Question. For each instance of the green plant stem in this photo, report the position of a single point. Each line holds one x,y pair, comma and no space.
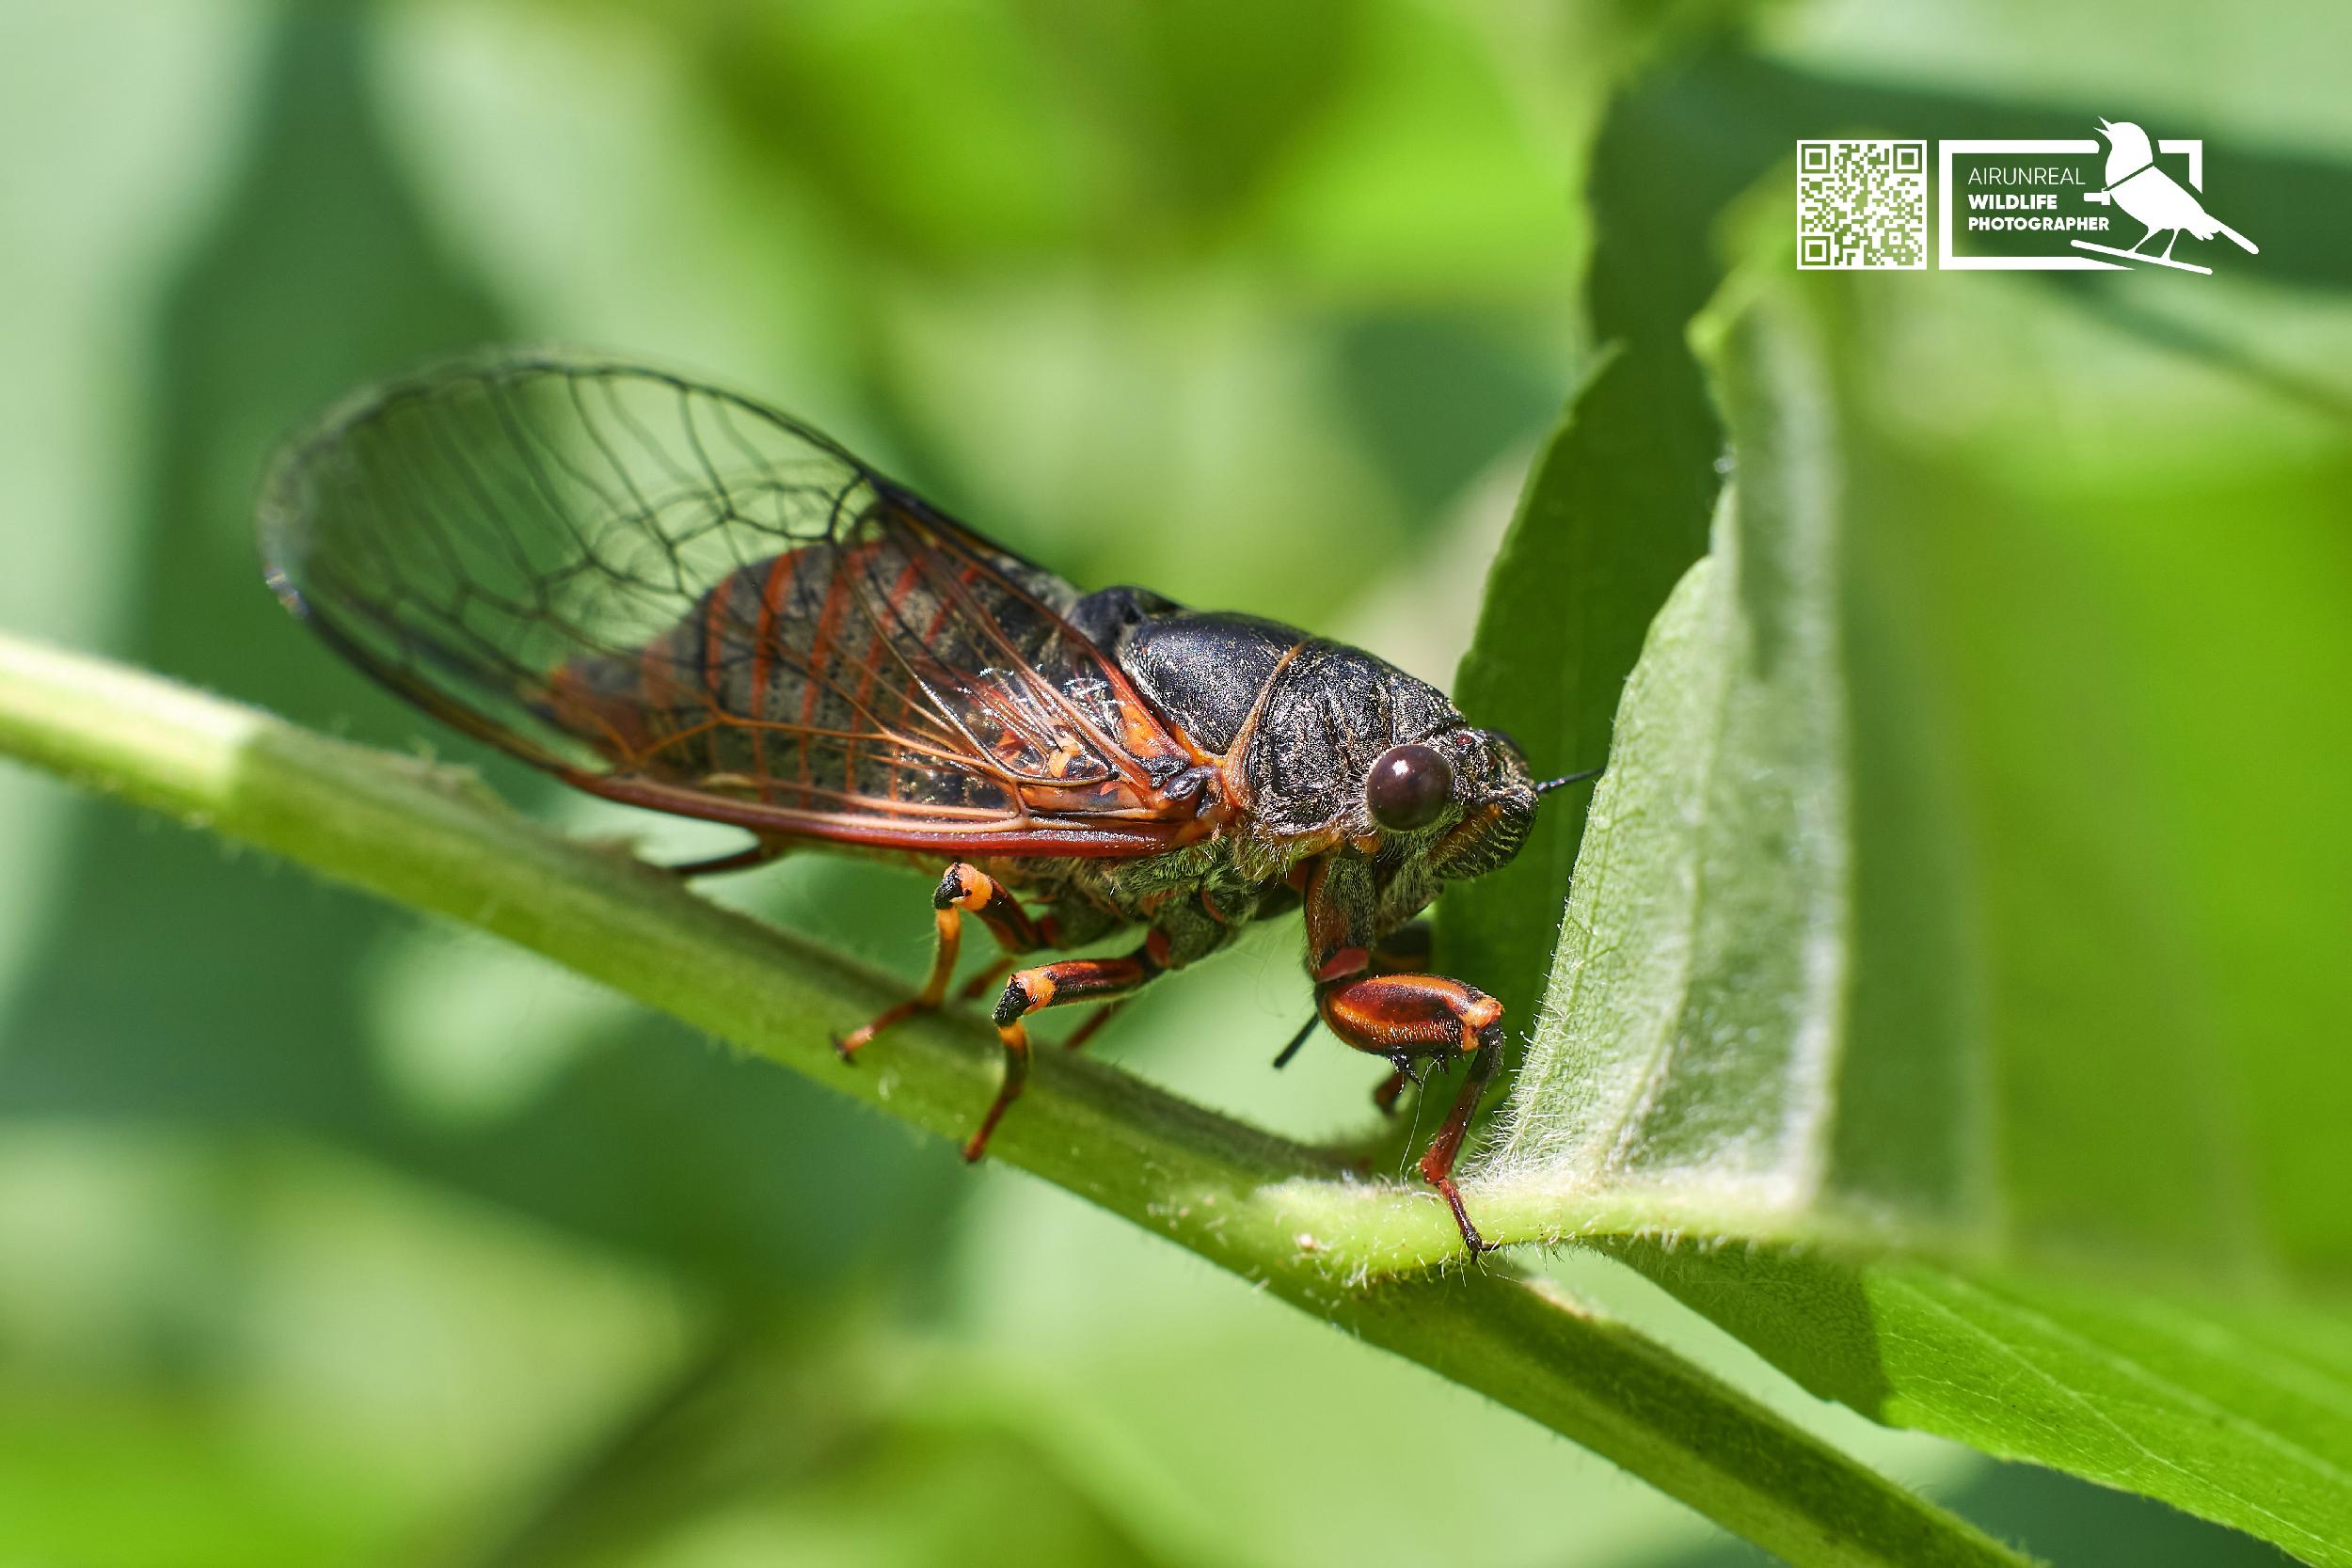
1277,1214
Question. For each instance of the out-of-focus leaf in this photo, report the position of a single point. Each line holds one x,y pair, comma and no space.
1438,400
168,982
153,97
103,1478
1427,176
786,1446
1192,106
2258,80
944,134
281,1356
934,130
1140,436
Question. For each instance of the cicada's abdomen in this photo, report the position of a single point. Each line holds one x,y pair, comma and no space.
776,687
811,676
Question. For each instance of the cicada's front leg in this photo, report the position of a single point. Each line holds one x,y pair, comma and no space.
1403,950
962,890
1408,1017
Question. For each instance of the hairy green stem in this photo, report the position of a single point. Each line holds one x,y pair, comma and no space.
1276,1214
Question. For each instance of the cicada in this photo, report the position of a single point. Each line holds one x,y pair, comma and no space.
676,597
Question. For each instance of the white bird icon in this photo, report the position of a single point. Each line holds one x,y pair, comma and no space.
2135,184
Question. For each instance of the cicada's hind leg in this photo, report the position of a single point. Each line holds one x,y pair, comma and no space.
1079,1036
1407,1018
962,890
997,969
759,852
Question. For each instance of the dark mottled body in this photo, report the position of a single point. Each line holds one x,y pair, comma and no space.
1295,722
1282,725
680,599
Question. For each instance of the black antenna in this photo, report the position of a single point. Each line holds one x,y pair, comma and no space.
1547,785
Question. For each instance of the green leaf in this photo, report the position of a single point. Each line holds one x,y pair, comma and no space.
1878,958
1684,1058
1613,511
2239,1414
1950,931
320,243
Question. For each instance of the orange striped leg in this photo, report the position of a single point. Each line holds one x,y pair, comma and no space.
1406,948
1403,950
961,890
1402,1017
1051,985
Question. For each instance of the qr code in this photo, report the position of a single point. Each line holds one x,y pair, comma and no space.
1862,204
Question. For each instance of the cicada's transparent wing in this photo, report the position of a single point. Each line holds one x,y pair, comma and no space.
673,595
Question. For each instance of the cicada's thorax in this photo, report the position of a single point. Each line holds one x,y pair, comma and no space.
1298,721
1206,676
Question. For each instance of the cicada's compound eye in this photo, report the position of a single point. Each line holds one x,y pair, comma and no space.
1409,787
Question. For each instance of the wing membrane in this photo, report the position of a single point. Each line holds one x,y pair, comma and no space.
678,597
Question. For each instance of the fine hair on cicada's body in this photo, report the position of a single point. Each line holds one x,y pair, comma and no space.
678,598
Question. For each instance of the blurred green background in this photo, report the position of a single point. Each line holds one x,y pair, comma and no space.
327,1237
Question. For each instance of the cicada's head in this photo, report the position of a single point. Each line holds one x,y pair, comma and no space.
1463,799
1349,747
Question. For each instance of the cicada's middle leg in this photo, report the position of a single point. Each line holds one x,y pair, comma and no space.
1184,931
962,890
1055,985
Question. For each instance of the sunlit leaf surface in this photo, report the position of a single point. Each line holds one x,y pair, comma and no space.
1797,1047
